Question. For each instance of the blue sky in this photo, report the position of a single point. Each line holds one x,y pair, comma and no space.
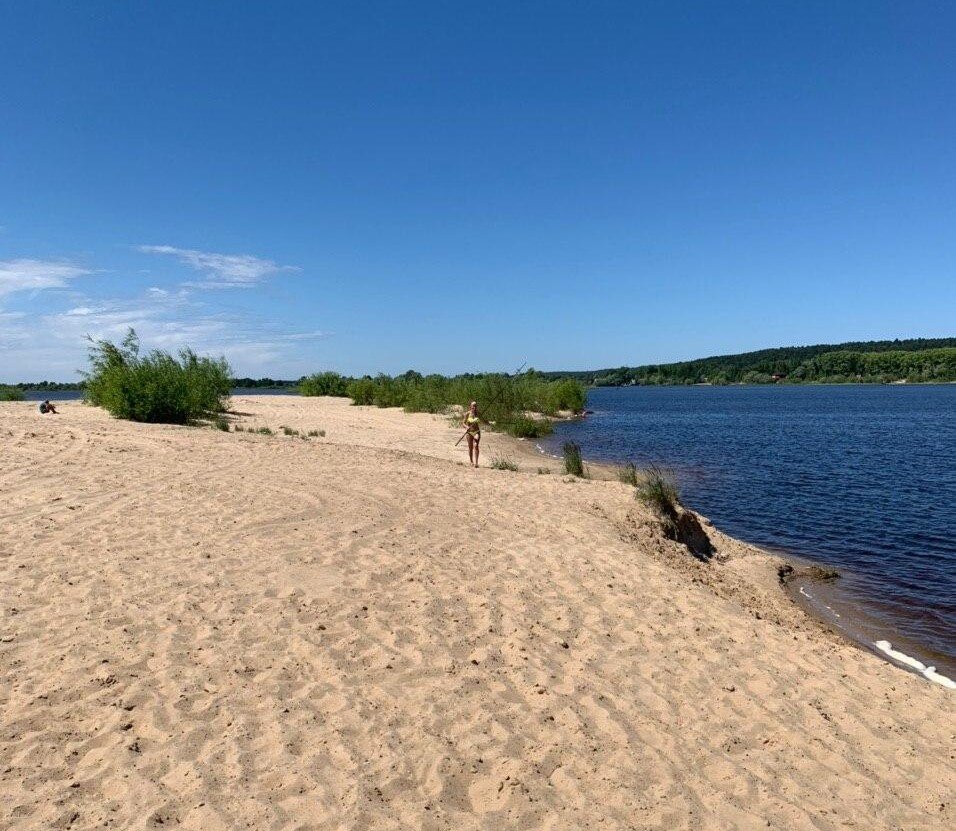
453,187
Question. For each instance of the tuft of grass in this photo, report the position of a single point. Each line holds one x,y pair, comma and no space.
221,424
628,475
158,387
543,471
658,489
499,462
265,431
289,431
238,428
572,459
313,433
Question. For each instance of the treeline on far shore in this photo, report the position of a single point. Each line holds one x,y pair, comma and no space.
920,360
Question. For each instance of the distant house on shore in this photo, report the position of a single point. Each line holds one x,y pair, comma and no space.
778,376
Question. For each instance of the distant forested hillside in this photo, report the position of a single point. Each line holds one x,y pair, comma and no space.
919,360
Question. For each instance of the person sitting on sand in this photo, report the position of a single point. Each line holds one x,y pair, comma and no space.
47,407
472,424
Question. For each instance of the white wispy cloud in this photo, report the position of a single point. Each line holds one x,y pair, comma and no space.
52,344
36,275
221,270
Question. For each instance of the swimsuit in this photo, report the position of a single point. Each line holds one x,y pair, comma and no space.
473,426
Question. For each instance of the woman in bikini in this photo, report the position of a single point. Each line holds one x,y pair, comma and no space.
472,425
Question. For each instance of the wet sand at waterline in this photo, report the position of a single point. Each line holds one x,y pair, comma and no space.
214,631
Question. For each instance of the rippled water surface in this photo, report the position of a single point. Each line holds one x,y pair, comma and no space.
859,477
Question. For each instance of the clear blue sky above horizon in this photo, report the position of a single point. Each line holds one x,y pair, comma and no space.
458,187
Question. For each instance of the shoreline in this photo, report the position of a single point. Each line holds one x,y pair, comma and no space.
833,609
219,630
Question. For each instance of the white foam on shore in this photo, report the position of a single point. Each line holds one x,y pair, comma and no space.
927,672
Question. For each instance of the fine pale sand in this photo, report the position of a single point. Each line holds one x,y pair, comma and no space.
210,631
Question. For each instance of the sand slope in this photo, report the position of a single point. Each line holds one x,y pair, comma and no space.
214,631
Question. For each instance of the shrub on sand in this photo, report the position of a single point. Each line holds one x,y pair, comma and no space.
658,489
324,383
523,427
265,431
159,387
11,393
572,459
222,424
499,462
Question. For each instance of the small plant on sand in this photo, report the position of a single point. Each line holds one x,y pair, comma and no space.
222,424
499,462
658,489
238,428
265,431
572,459
289,431
543,471
628,475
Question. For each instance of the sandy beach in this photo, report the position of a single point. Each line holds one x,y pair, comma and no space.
209,630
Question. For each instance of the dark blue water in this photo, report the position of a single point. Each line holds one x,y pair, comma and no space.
862,478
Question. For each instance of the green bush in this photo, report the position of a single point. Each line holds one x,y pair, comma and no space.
324,383
11,393
572,459
361,391
222,424
289,431
523,427
158,387
265,431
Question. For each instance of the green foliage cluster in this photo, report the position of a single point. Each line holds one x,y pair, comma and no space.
47,386
502,399
324,383
8,393
262,383
158,387
628,474
572,459
916,360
